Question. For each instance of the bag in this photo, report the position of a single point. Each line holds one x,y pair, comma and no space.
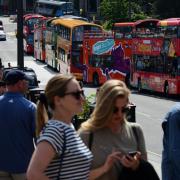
145,171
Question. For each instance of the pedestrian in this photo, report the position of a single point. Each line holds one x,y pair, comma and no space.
9,65
107,132
60,152
2,87
171,144
17,127
1,74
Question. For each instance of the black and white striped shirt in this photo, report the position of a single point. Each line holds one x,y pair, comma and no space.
77,157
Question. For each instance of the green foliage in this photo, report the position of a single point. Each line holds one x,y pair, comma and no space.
86,108
108,25
112,11
167,8
125,10
136,17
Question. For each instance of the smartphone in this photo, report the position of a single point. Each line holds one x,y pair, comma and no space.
132,153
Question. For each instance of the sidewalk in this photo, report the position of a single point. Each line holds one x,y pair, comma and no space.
44,74
155,160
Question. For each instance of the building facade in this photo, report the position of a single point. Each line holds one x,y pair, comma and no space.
86,8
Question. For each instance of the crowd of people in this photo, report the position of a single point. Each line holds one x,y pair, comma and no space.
40,142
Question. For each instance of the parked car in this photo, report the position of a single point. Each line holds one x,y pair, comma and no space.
13,17
33,82
2,33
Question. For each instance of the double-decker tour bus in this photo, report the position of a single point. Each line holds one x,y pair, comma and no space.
50,44
148,65
29,22
170,54
53,8
39,40
69,47
103,58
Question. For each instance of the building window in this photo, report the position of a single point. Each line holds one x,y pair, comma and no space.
92,5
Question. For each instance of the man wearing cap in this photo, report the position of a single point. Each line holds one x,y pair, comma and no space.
2,87
17,127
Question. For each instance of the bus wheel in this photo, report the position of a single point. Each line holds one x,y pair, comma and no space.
139,86
127,80
166,89
95,80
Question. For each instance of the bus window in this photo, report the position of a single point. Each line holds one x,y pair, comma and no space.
78,33
178,66
178,32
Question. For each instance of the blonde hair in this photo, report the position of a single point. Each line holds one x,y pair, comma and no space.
56,86
107,95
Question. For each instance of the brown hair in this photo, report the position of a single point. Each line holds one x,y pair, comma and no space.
56,86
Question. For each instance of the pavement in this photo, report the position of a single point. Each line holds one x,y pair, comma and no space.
44,73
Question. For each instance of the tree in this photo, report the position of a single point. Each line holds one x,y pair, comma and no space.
167,8
114,10
121,10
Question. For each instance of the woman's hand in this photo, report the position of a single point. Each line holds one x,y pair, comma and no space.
110,160
131,162
96,173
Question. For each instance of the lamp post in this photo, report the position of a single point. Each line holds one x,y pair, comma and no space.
20,48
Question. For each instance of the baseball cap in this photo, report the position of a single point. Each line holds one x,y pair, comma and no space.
13,76
2,83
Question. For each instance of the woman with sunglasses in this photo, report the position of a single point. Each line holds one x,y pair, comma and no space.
60,152
108,132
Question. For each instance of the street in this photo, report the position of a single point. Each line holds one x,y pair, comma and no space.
150,110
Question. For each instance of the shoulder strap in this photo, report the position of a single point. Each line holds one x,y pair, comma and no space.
135,134
91,136
62,156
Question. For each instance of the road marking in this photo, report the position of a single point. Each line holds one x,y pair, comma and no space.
144,114
10,33
155,154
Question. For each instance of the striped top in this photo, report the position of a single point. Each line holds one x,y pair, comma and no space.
77,157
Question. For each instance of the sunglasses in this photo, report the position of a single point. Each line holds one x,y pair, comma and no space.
77,95
123,109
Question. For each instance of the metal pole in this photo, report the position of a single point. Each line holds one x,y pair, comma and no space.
20,48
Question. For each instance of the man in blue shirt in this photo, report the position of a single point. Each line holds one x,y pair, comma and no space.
171,145
17,127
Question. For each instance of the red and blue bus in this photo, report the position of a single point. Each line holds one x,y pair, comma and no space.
39,40
155,57
29,22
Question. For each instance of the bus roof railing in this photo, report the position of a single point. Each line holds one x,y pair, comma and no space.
72,22
98,34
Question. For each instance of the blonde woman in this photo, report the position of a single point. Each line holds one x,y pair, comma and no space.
112,133
60,153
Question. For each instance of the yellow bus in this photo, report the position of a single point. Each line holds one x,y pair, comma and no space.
69,47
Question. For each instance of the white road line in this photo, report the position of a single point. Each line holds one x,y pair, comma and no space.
144,114
155,154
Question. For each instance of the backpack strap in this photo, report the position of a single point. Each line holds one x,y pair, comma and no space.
62,157
91,137
134,129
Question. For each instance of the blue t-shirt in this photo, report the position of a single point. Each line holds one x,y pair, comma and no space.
17,130
171,144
